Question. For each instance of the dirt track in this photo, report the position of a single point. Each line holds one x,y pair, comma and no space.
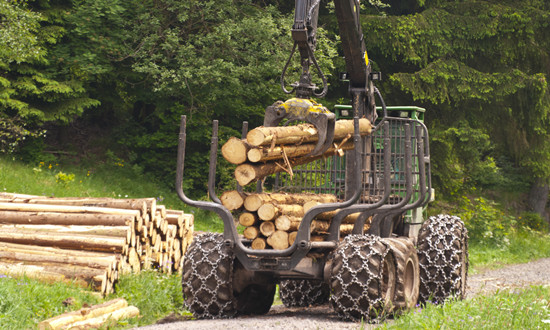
279,317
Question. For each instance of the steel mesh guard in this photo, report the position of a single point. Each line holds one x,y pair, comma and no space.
206,281
443,258
303,293
358,279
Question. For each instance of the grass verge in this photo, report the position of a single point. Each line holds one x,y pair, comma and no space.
528,309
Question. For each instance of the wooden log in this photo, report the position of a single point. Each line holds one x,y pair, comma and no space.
52,272
232,199
66,209
258,243
271,211
251,232
278,240
141,204
292,237
70,241
235,150
252,202
115,231
247,173
266,153
287,223
267,228
67,219
248,219
59,258
106,320
303,133
66,319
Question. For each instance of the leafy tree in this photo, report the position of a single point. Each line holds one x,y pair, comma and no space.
484,62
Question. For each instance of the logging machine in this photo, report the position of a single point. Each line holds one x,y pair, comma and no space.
363,243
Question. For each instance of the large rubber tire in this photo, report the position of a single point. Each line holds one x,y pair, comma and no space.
408,273
207,278
303,293
362,278
255,299
443,257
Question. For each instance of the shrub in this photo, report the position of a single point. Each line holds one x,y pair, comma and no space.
532,220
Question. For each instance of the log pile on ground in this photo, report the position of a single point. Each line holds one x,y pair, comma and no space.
97,316
89,241
271,220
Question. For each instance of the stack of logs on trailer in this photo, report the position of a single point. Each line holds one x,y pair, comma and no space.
272,219
89,241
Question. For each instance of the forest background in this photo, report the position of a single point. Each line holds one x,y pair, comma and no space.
90,81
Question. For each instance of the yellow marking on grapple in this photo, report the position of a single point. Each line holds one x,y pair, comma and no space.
297,105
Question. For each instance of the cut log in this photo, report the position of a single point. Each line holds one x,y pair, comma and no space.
258,243
278,240
141,204
57,218
66,209
59,258
287,223
232,200
251,232
82,276
246,173
253,202
107,319
270,211
248,219
70,241
64,320
303,133
235,150
267,228
292,237
266,153
115,231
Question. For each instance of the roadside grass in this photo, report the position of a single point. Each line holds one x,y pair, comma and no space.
527,309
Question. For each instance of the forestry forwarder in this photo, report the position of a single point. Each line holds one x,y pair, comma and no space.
392,258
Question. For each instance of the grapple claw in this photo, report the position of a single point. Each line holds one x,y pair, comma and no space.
297,109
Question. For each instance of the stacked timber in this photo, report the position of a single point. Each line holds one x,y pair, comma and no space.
271,220
97,316
269,150
89,241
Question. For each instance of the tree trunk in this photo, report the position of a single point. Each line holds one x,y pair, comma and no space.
253,202
248,219
538,198
278,240
59,218
270,211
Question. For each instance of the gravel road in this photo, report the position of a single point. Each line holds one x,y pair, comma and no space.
513,277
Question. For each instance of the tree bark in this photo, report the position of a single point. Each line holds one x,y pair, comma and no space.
60,218
303,133
538,198
253,202
262,154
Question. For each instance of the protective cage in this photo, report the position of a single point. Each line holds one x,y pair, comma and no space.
384,180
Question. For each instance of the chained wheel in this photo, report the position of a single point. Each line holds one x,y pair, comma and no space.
207,278
362,278
303,293
443,257
408,273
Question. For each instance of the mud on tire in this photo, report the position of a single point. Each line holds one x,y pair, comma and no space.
408,273
443,257
207,278
362,278
303,293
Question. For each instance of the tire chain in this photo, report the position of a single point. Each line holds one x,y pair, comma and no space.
355,285
441,242
303,293
206,281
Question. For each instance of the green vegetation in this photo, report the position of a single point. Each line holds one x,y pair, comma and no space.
528,309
